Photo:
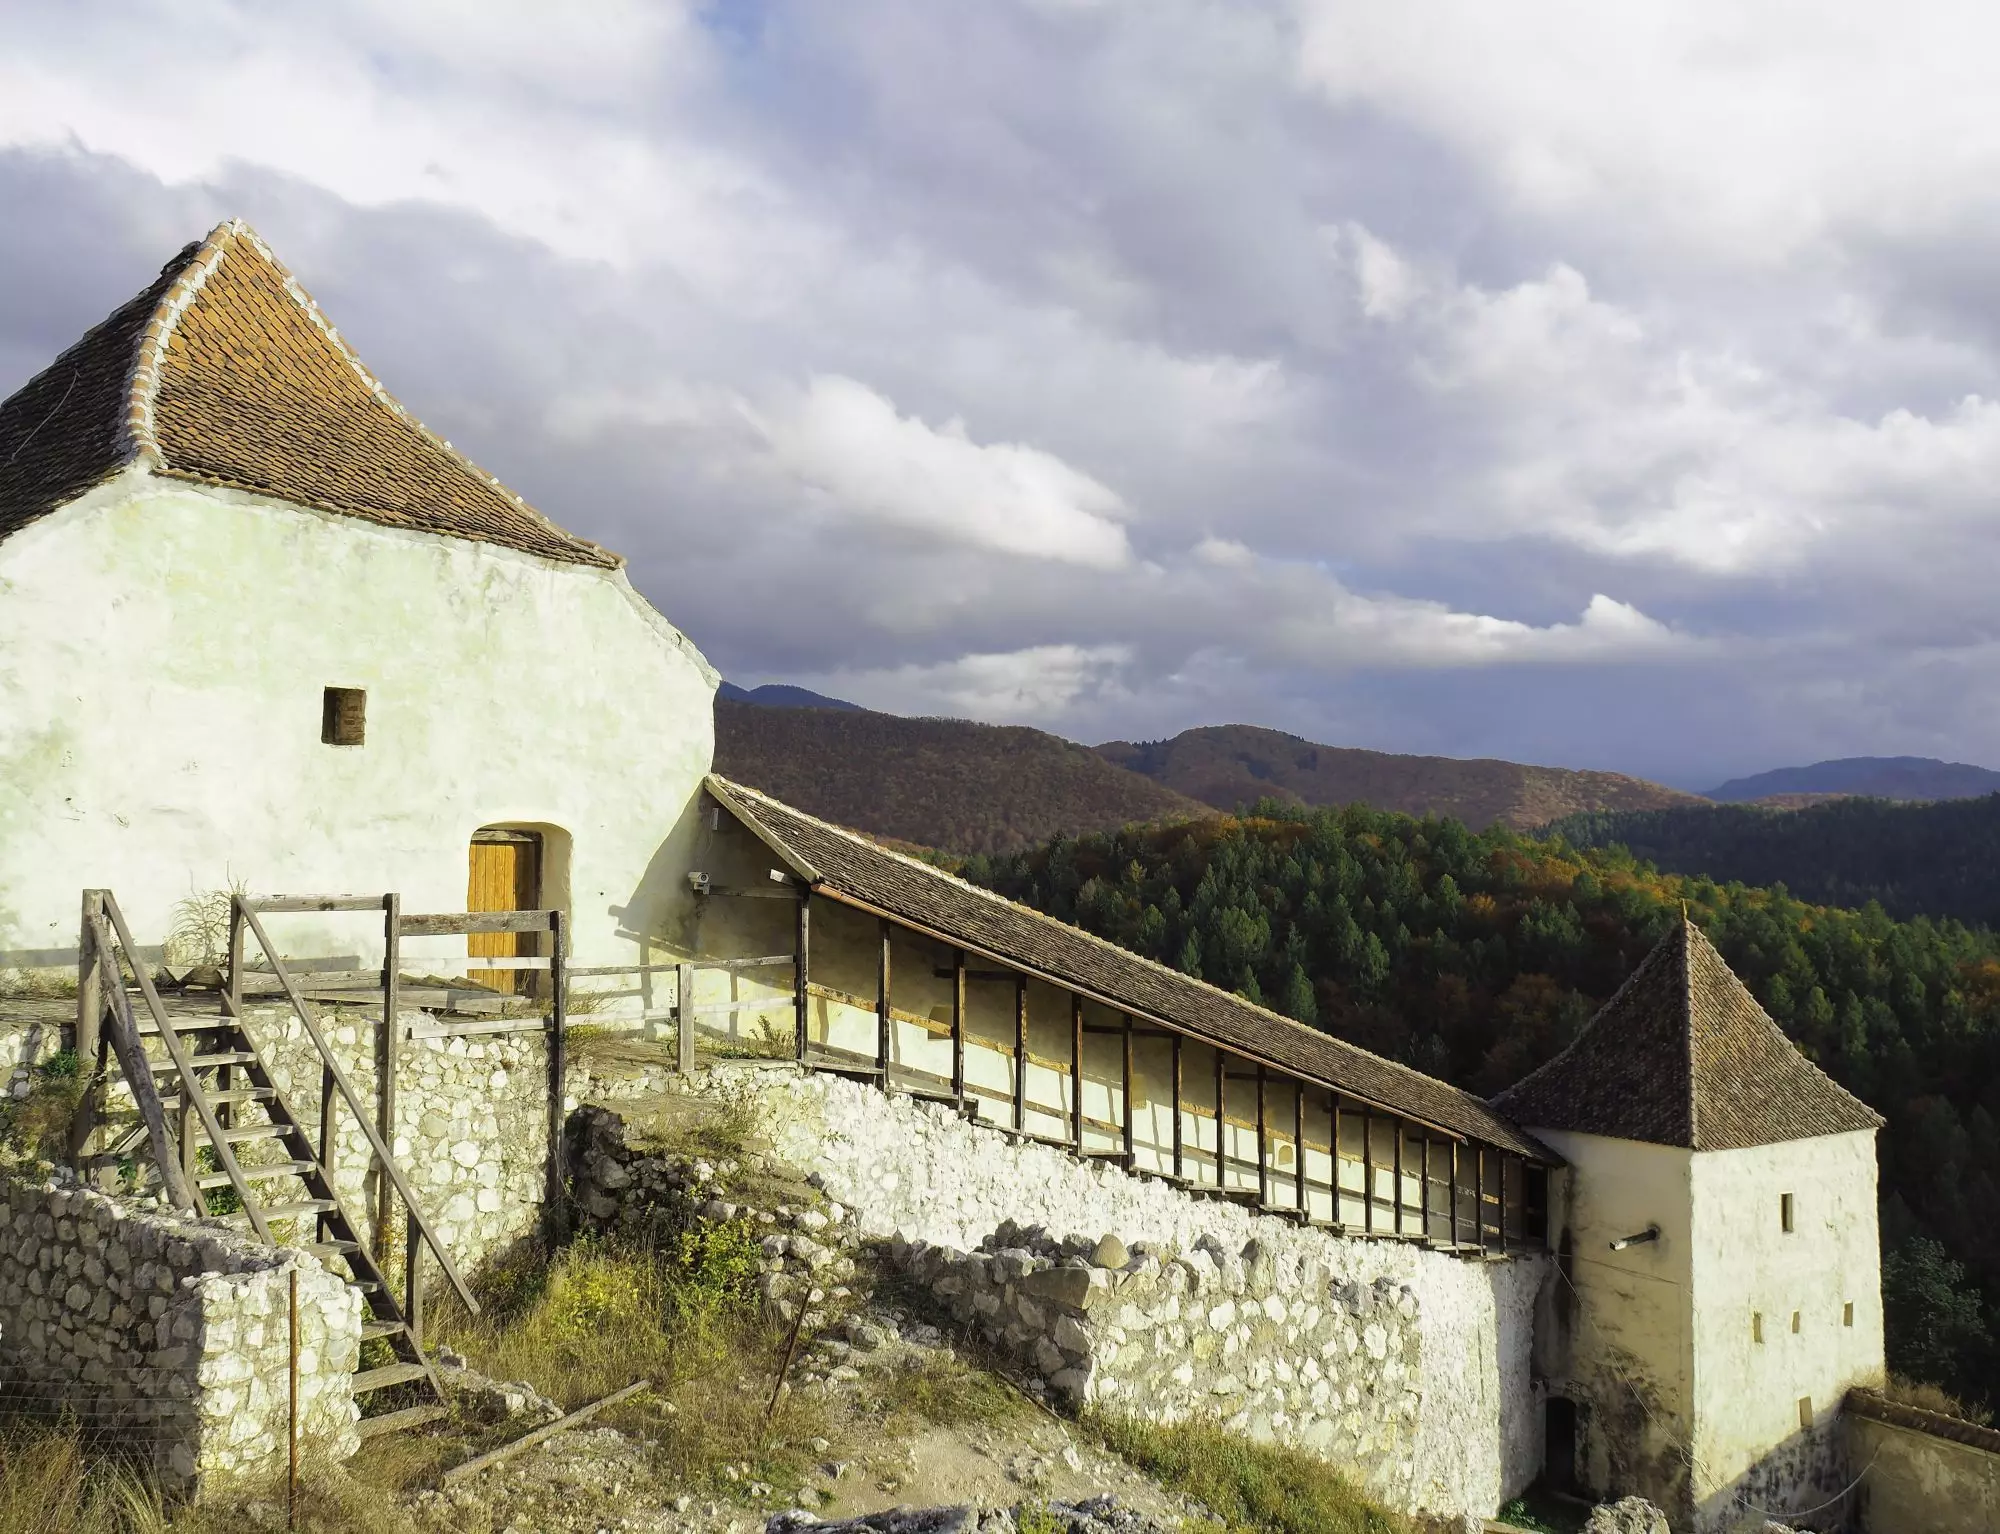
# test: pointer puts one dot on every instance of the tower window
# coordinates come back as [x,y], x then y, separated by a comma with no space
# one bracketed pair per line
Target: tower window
[1785,1212]
[1756,1326]
[1805,1411]
[1847,1314]
[1795,1323]
[343,716]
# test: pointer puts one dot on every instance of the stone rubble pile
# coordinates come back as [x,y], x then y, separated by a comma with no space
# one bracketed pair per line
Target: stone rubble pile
[1270,1342]
[1094,1515]
[807,1242]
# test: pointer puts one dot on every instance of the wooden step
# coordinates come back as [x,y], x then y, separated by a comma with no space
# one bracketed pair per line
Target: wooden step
[334,1248]
[256,1174]
[204,1062]
[254,1132]
[396,1421]
[233,1095]
[382,1329]
[298,1207]
[387,1375]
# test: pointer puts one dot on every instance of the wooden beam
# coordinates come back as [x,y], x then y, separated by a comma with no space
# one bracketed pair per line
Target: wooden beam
[1179,1148]
[801,976]
[386,1055]
[882,1021]
[1396,1172]
[558,1066]
[1368,1168]
[1334,1136]
[1020,1053]
[1221,1120]
[1501,1199]
[958,1022]
[268,903]
[1128,1085]
[1263,1143]
[684,1018]
[1454,1193]
[458,923]
[1425,1173]
[1479,1194]
[1076,1072]
[943,973]
[1299,1143]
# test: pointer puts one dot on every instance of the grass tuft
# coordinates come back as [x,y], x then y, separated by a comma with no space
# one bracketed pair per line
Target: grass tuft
[1250,1488]
[1928,1397]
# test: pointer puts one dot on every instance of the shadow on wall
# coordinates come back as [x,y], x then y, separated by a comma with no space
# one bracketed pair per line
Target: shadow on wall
[1805,1482]
[659,913]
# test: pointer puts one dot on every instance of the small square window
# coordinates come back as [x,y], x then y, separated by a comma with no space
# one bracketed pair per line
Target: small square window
[343,716]
[1785,1211]
[1795,1323]
[1847,1314]
[1756,1326]
[1805,1412]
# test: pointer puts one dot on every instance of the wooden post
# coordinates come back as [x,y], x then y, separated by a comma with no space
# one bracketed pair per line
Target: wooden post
[882,1023]
[1334,1131]
[1263,1146]
[684,1018]
[1076,1073]
[1368,1169]
[801,957]
[1402,1134]
[386,1061]
[1180,1170]
[1500,1168]
[90,1040]
[1221,1122]
[558,1067]
[1479,1194]
[958,1023]
[413,1280]
[1129,1138]
[1425,1173]
[1299,1144]
[292,1402]
[1020,1053]
[1454,1193]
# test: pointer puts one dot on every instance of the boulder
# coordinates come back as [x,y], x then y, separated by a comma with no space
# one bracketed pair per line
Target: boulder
[1629,1515]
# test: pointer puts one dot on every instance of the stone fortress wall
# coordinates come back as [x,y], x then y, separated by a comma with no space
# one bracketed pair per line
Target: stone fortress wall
[173,1336]
[1410,1365]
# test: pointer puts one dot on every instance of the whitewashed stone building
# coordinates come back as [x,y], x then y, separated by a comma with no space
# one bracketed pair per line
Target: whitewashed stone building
[259,628]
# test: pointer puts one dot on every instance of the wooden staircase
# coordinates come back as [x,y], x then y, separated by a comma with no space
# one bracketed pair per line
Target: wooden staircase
[202,1084]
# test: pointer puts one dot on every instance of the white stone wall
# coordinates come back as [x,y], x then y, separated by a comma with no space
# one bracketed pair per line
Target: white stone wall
[170,1334]
[163,653]
[1470,1436]
[1917,1480]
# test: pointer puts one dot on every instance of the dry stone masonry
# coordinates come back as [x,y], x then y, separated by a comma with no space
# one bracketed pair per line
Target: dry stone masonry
[173,1334]
[1444,1417]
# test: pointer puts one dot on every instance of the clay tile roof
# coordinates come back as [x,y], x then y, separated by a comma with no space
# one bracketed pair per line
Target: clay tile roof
[225,372]
[845,863]
[1683,1055]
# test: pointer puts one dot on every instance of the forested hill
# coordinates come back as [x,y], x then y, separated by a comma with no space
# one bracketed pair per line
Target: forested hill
[936,782]
[1935,860]
[1476,956]
[1233,765]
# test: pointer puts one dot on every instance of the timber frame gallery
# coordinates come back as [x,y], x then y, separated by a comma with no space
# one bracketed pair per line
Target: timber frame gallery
[919,982]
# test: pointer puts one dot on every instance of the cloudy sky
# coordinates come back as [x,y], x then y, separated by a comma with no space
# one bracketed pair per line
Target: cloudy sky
[1609,386]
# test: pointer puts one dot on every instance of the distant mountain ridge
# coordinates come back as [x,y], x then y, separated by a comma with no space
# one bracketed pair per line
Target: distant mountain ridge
[945,783]
[1874,777]
[1236,764]
[782,695]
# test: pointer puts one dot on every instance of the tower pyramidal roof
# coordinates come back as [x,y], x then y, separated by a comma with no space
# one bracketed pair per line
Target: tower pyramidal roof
[1683,1055]
[225,372]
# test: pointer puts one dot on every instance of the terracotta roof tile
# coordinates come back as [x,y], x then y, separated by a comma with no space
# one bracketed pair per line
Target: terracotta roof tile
[849,864]
[1683,1055]
[225,372]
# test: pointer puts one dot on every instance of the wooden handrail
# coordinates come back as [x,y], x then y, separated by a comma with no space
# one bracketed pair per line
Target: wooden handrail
[340,1078]
[132,1058]
[190,1084]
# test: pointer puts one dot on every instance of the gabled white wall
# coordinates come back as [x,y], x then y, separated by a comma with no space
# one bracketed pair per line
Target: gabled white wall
[1616,1338]
[163,650]
[1752,1454]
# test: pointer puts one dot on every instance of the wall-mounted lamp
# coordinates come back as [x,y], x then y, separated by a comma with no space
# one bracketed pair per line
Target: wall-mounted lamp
[1650,1233]
[698,882]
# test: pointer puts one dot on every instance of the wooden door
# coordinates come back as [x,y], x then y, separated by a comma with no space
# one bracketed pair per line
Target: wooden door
[505,874]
